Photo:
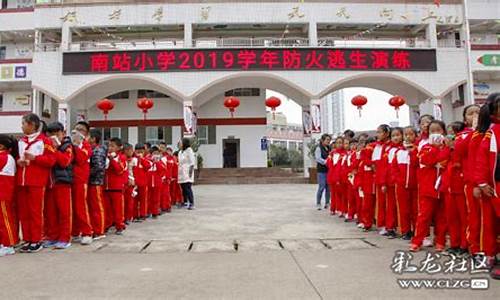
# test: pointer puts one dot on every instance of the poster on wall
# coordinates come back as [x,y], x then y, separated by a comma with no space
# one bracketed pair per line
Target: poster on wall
[188,119]
[306,121]
[316,118]
[194,122]
[23,100]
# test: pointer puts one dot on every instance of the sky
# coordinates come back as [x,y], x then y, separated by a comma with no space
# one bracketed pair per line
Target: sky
[377,111]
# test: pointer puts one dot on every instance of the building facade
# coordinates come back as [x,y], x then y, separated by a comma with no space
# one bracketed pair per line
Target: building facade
[333,114]
[59,58]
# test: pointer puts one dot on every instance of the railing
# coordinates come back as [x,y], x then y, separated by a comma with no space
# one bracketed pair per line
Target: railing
[47,47]
[401,43]
[89,46]
[450,44]
[251,42]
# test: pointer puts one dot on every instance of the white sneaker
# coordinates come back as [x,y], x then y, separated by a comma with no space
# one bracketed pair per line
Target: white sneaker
[4,251]
[86,240]
[76,239]
[361,225]
[427,242]
[382,231]
[318,206]
[99,237]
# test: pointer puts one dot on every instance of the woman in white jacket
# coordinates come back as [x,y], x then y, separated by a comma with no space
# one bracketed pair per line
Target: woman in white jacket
[186,171]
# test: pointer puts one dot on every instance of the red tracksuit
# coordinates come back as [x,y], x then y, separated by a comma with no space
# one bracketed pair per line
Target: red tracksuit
[166,201]
[141,181]
[114,182]
[357,185]
[391,205]
[31,181]
[9,232]
[81,170]
[430,202]
[156,173]
[365,170]
[334,163]
[175,188]
[58,202]
[352,193]
[485,172]
[379,159]
[130,200]
[404,170]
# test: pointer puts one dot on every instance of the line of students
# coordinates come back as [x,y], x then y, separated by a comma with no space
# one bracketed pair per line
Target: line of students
[60,188]
[403,182]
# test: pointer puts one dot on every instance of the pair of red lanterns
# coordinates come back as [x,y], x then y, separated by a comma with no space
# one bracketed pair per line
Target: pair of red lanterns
[396,101]
[106,105]
[232,103]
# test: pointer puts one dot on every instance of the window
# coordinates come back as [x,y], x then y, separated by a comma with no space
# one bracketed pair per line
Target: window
[155,134]
[3,52]
[242,92]
[150,94]
[111,132]
[206,135]
[120,95]
[1,102]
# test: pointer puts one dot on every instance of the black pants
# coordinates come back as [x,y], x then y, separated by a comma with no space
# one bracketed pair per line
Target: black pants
[187,192]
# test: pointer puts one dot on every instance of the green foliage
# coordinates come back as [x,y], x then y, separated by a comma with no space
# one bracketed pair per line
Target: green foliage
[312,145]
[281,157]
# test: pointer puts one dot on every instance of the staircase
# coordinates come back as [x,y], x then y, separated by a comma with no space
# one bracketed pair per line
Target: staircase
[250,176]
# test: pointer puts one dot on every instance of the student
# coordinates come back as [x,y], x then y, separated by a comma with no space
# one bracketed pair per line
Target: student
[380,164]
[186,171]
[175,188]
[320,155]
[59,203]
[156,173]
[404,170]
[130,186]
[35,161]
[141,181]
[352,194]
[432,158]
[82,227]
[115,183]
[9,232]
[333,165]
[367,185]
[423,123]
[487,177]
[96,185]
[396,145]
[358,179]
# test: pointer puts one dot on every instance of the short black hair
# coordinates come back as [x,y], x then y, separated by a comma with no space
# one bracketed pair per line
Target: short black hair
[349,134]
[397,129]
[440,123]
[84,124]
[325,136]
[32,118]
[162,143]
[186,143]
[55,127]
[457,126]
[487,110]
[154,148]
[386,128]
[96,135]
[139,146]
[147,145]
[127,146]
[116,140]
[425,116]
[467,108]
[10,143]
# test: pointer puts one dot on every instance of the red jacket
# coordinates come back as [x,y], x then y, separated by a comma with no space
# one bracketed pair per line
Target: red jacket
[468,153]
[156,173]
[334,165]
[168,164]
[404,168]
[38,170]
[7,175]
[379,159]
[114,178]
[433,162]
[81,165]
[140,170]
[365,169]
[391,158]
[458,161]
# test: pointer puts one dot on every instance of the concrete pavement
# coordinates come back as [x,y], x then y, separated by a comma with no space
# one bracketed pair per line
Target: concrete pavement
[245,242]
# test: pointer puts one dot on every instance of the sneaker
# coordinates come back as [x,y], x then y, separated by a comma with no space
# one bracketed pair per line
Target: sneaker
[126,223]
[428,242]
[48,244]
[391,234]
[495,272]
[76,239]
[137,220]
[452,251]
[25,248]
[191,207]
[407,236]
[439,248]
[4,251]
[62,245]
[99,237]
[382,231]
[361,225]
[367,229]
[318,206]
[463,252]
[120,231]
[414,248]
[86,240]
[155,216]
[35,247]
[348,220]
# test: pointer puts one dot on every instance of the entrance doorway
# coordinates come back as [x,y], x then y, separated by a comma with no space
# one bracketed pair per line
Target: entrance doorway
[231,153]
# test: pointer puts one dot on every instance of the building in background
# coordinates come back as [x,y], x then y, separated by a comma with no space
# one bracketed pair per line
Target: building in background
[333,113]
[284,134]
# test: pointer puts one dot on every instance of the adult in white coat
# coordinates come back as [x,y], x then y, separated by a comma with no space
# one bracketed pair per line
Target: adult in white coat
[186,171]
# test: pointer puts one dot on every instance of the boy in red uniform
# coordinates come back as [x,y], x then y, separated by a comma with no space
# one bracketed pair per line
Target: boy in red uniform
[367,186]
[380,164]
[141,181]
[156,173]
[352,189]
[8,226]
[96,199]
[166,199]
[35,161]
[82,227]
[115,183]
[391,205]
[433,158]
[59,204]
[130,187]
[175,187]
[333,164]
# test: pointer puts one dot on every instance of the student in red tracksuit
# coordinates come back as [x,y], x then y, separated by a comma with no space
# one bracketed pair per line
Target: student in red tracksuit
[35,161]
[156,173]
[333,163]
[96,199]
[141,181]
[166,199]
[344,180]
[172,166]
[358,179]
[59,203]
[391,204]
[130,187]
[352,189]
[379,159]
[432,158]
[82,226]
[453,188]
[175,187]
[115,184]
[487,180]
[404,170]
[9,232]
[367,185]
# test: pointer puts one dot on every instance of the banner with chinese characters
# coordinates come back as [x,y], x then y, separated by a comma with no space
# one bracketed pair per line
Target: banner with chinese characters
[188,119]
[249,59]
[306,121]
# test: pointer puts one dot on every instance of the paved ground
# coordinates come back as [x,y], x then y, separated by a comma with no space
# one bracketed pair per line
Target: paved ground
[245,242]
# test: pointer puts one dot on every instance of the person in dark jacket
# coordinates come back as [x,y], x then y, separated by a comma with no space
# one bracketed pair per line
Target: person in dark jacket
[320,155]
[96,184]
[58,204]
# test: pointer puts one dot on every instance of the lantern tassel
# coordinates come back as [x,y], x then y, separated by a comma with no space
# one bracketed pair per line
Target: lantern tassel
[397,113]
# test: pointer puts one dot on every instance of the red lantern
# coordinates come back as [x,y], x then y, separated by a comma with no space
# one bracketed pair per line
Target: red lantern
[359,101]
[437,2]
[231,103]
[105,105]
[273,102]
[397,102]
[145,104]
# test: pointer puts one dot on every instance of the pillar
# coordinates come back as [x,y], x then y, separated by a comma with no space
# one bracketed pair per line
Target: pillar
[64,115]
[313,34]
[188,35]
[65,37]
[465,36]
[36,105]
[431,33]
[306,124]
